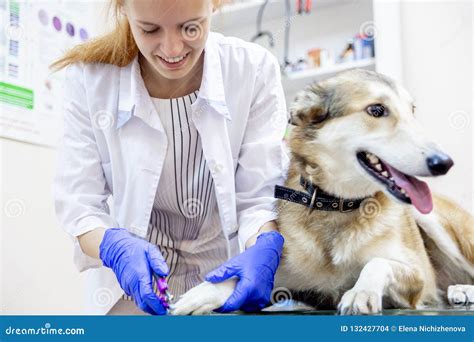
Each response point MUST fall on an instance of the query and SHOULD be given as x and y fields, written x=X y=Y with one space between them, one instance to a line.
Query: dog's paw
x=360 y=302
x=203 y=298
x=461 y=294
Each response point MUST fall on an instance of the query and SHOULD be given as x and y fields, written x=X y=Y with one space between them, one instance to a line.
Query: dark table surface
x=297 y=308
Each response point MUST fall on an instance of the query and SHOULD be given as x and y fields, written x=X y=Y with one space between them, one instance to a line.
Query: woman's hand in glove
x=134 y=261
x=255 y=269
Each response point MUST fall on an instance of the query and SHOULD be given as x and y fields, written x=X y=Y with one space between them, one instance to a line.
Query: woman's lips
x=174 y=65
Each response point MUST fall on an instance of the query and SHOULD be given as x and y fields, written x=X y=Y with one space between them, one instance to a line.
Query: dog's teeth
x=378 y=167
x=391 y=178
x=384 y=173
x=373 y=159
x=403 y=191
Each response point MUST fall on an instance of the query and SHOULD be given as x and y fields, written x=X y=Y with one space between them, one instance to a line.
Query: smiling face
x=356 y=134
x=170 y=34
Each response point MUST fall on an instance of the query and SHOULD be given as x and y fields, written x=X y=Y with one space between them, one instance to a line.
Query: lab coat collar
x=135 y=100
x=212 y=84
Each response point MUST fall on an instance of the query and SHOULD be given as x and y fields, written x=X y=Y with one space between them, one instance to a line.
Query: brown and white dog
x=361 y=232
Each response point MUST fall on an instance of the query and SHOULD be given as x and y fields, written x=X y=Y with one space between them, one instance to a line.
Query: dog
x=362 y=232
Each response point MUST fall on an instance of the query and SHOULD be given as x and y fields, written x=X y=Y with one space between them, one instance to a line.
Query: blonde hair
x=117 y=47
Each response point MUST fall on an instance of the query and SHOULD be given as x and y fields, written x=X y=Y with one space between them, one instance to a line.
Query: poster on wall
x=36 y=33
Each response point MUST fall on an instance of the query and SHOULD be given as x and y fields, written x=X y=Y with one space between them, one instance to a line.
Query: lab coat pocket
x=107 y=168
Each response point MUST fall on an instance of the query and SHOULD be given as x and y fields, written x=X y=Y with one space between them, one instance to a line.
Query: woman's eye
x=377 y=110
x=150 y=31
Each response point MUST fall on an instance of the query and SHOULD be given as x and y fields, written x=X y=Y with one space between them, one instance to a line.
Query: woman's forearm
x=90 y=242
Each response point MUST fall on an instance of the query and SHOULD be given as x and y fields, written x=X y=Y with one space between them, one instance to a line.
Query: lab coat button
x=218 y=168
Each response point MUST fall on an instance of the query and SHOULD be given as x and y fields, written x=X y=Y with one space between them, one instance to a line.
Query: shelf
x=242 y=14
x=298 y=80
x=243 y=6
x=245 y=13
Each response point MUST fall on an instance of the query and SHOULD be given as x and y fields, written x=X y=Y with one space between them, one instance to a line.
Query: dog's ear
x=310 y=107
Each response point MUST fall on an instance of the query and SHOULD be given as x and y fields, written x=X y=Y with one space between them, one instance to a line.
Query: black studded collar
x=315 y=198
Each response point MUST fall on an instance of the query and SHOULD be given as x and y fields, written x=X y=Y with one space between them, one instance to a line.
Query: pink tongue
x=418 y=191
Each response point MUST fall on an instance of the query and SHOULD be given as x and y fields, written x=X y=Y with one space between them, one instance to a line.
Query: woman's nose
x=172 y=44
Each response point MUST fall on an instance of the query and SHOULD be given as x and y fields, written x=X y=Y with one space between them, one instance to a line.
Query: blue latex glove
x=255 y=269
x=134 y=261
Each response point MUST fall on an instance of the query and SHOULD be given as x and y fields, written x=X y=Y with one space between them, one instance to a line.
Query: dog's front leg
x=402 y=283
x=204 y=298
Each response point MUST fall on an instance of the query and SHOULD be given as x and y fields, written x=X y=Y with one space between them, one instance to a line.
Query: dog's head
x=356 y=134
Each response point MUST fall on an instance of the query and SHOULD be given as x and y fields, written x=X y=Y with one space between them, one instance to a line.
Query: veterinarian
x=182 y=128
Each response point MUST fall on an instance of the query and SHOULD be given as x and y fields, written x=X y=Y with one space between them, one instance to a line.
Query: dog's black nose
x=439 y=164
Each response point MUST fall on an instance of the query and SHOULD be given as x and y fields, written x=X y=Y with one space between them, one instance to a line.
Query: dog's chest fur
x=326 y=251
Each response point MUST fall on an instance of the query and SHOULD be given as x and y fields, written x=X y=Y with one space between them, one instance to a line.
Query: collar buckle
x=341 y=206
x=313 y=198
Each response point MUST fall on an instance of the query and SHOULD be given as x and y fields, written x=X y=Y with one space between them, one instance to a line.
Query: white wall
x=437 y=40
x=37 y=274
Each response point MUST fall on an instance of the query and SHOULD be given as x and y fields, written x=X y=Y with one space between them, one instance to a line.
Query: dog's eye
x=377 y=110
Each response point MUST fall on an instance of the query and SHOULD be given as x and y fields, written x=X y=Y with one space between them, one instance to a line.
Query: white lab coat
x=114 y=146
